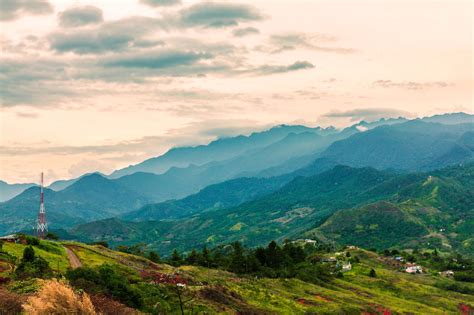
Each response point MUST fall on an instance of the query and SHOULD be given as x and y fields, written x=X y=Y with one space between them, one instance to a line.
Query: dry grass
x=58 y=298
x=10 y=303
x=108 y=306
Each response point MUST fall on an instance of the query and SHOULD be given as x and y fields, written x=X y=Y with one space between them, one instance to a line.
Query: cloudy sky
x=98 y=85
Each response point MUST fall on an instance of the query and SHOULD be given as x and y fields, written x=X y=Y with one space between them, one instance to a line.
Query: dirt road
x=73 y=259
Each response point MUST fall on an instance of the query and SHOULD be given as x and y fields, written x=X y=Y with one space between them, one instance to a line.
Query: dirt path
x=73 y=259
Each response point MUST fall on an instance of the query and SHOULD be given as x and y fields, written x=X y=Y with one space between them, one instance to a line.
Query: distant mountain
x=218 y=150
x=344 y=205
x=218 y=196
x=90 y=198
x=414 y=145
x=450 y=119
x=8 y=191
x=64 y=183
x=177 y=183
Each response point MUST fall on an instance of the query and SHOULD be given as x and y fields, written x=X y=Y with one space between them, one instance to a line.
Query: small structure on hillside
x=413 y=268
x=12 y=238
x=329 y=260
x=346 y=267
x=447 y=273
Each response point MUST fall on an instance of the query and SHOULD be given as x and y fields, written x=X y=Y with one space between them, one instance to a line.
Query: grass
x=53 y=252
x=355 y=292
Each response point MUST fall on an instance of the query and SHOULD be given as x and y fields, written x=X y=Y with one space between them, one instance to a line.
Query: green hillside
x=152 y=287
x=435 y=207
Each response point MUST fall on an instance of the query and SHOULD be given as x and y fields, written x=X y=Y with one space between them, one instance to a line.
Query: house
x=12 y=238
x=346 y=267
x=447 y=273
x=352 y=247
x=329 y=260
x=399 y=258
x=413 y=268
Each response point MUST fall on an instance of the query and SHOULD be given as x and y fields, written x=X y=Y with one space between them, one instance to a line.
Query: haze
x=96 y=85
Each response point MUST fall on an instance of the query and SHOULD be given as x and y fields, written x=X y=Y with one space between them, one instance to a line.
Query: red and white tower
x=42 y=227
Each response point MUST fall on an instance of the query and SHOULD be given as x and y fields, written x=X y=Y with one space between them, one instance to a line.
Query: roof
x=9 y=237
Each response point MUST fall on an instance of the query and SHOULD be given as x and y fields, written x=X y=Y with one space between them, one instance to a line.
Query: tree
x=274 y=255
x=32 y=265
x=154 y=257
x=52 y=236
x=192 y=258
x=28 y=254
x=176 y=258
x=237 y=263
x=372 y=273
x=205 y=257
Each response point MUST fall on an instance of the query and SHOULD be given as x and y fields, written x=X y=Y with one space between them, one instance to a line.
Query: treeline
x=289 y=260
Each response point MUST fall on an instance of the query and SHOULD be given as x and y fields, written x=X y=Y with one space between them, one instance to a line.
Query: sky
x=98 y=85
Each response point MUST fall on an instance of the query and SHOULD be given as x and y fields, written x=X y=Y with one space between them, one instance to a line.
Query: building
x=346 y=267
x=447 y=273
x=12 y=238
x=413 y=268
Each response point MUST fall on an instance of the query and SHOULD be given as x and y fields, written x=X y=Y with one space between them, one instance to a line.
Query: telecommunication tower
x=42 y=227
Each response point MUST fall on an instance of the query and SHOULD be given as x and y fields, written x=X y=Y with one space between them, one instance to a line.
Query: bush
x=32 y=265
x=107 y=280
x=372 y=273
x=466 y=276
x=58 y=298
x=31 y=240
x=52 y=236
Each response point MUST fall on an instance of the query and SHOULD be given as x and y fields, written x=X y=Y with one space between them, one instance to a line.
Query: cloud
x=411 y=85
x=14 y=9
x=27 y=115
x=272 y=69
x=111 y=36
x=160 y=3
x=33 y=82
x=80 y=16
x=368 y=114
x=217 y=15
x=291 y=41
x=158 y=60
x=194 y=133
x=241 y=32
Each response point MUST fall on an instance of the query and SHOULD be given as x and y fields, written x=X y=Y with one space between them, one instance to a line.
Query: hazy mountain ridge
x=90 y=198
x=217 y=150
x=8 y=191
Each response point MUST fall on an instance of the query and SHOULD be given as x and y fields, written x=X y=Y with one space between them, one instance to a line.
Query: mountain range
x=364 y=185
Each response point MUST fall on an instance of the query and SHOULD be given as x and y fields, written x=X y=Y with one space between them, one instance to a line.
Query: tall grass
x=56 y=297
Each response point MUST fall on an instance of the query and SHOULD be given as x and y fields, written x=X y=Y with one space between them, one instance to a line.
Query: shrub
x=466 y=276
x=372 y=273
x=154 y=257
x=52 y=236
x=58 y=298
x=31 y=240
x=32 y=265
x=105 y=279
